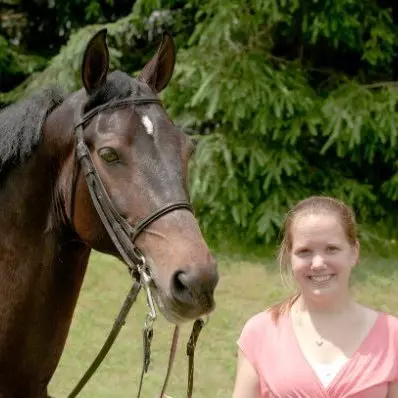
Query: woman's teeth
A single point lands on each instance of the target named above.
(321, 278)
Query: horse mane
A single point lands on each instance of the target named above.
(21, 126)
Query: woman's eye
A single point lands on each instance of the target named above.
(303, 252)
(332, 249)
(109, 155)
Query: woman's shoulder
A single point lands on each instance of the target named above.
(387, 326)
(261, 334)
(254, 332)
(261, 321)
(388, 337)
(392, 322)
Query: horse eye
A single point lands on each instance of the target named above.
(109, 155)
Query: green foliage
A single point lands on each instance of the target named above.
(132, 40)
(362, 26)
(32, 32)
(286, 99)
(17, 65)
(279, 122)
(64, 69)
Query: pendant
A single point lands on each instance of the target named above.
(318, 342)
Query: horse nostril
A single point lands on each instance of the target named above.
(180, 287)
(193, 287)
(178, 281)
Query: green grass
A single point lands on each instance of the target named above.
(246, 287)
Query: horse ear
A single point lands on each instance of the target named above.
(158, 71)
(95, 62)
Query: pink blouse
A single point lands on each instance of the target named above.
(284, 372)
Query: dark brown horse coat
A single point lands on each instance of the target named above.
(142, 160)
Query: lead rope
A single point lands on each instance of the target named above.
(119, 322)
(147, 335)
(191, 345)
(172, 354)
(197, 327)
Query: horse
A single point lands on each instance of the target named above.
(49, 221)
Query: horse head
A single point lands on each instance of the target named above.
(142, 158)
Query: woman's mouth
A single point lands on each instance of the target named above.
(321, 278)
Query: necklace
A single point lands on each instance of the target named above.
(319, 340)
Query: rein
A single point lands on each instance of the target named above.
(123, 236)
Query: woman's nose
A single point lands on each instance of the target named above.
(318, 261)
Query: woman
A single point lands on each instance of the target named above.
(320, 342)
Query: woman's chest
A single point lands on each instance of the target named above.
(328, 344)
(287, 372)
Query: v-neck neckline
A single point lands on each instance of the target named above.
(329, 388)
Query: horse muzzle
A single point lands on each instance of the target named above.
(190, 293)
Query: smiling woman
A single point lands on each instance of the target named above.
(320, 342)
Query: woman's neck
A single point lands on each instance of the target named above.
(345, 306)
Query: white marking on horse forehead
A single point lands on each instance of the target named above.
(148, 124)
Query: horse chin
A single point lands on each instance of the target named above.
(168, 313)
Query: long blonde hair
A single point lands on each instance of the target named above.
(311, 205)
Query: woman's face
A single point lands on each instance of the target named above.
(321, 256)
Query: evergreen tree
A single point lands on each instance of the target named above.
(285, 98)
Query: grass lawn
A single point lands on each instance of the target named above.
(246, 287)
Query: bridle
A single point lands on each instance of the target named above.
(123, 236)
